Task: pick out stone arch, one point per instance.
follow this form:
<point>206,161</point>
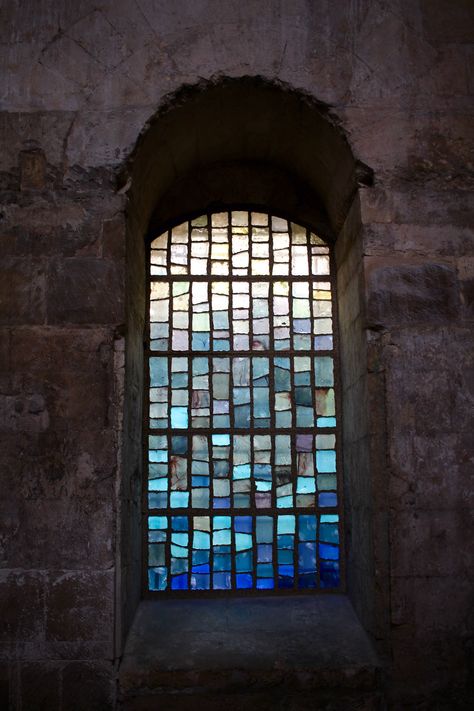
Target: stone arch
<point>250,142</point>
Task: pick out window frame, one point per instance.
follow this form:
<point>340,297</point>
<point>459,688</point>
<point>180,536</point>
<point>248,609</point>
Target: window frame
<point>252,510</point>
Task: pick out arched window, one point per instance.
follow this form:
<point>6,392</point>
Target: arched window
<point>242,486</point>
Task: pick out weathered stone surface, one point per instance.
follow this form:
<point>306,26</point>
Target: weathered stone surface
<point>41,686</point>
<point>22,603</point>
<point>79,607</point>
<point>410,293</point>
<point>85,290</point>
<point>88,686</point>
<point>82,81</point>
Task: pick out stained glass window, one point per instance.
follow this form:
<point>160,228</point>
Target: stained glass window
<point>241,456</point>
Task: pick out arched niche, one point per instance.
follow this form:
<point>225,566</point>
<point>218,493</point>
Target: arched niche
<point>253,143</point>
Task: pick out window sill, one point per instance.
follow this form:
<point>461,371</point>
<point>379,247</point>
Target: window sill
<point>235,645</point>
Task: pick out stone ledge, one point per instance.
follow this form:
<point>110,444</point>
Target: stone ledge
<point>241,645</point>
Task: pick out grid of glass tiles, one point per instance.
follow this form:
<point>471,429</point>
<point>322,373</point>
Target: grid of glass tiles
<point>242,484</point>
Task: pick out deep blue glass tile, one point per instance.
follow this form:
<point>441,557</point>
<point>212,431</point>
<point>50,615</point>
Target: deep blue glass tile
<point>179,523</point>
<point>200,581</point>
<point>329,574</point>
<point>307,581</point>
<point>221,581</point>
<point>243,581</point>
<point>327,498</point>
<point>179,582</point>
<point>204,568</point>
<point>243,524</point>
<point>328,552</point>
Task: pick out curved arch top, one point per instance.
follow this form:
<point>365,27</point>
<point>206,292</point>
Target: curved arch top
<point>243,141</point>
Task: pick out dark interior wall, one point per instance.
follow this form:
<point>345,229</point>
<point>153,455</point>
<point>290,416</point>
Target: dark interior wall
<point>82,81</point>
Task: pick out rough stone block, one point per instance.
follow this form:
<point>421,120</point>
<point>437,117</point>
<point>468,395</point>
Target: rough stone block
<point>88,687</point>
<point>79,606</point>
<point>40,686</point>
<point>431,543</point>
<point>85,355</point>
<point>22,604</point>
<point>60,534</point>
<point>4,686</point>
<point>448,22</point>
<point>22,292</point>
<point>85,290</point>
<point>410,293</point>
<point>113,238</point>
<point>32,170</point>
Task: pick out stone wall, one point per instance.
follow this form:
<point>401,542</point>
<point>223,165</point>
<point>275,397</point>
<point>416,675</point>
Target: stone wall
<point>80,82</point>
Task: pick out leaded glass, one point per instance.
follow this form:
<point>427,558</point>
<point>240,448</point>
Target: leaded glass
<point>242,484</point>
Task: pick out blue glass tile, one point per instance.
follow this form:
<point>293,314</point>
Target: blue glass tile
<point>307,557</point>
<point>265,570</point>
<point>179,582</point>
<point>157,522</point>
<point>307,527</point>
<point>221,344</point>
<point>158,500</point>
<point>306,485</point>
<point>201,341</point>
<point>179,565</point>
<point>327,498</point>
<point>329,574</point>
<point>243,581</point>
<point>265,584</point>
<point>157,456</point>
<point>201,539</point>
<point>221,467</point>
<point>285,540</point>
<point>242,416</point>
<point>243,524</point>
<point>264,552</point>
<point>328,552</point>
<point>200,581</point>
<point>241,471</point>
<point>285,556</point>
<point>323,343</point>
<point>179,445</point>
<point>221,581</point>
<point>204,568</point>
<point>200,480</point>
<point>157,578</point>
<point>326,461</point>
<point>285,576</point>
<point>307,581</point>
<point>179,417</point>
<point>243,541</point>
<point>326,422</point>
<point>179,380</point>
<point>179,499</point>
<point>157,536</point>
<point>158,484</point>
<point>243,561</point>
<point>200,557</point>
<point>200,366</point>
<point>221,440</point>
<point>221,537</point>
<point>329,533</point>
<point>221,503</point>
<point>158,372</point>
<point>179,523</point>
